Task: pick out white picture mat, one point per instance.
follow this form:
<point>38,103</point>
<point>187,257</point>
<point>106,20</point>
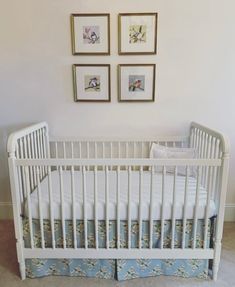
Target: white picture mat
<point>150,22</point>
<point>79,23</point>
<point>103,72</point>
<point>147,71</point>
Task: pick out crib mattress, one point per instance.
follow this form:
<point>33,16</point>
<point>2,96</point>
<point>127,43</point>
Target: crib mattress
<point>112,186</point>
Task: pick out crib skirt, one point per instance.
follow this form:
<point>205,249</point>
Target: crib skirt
<point>121,269</point>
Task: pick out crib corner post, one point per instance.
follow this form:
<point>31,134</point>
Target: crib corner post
<point>220,218</point>
<point>16,202</point>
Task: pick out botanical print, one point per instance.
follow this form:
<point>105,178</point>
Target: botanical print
<point>92,83</point>
<point>137,34</point>
<point>91,34</point>
<point>136,83</point>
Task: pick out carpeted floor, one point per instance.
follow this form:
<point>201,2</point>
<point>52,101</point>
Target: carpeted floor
<point>9,276</point>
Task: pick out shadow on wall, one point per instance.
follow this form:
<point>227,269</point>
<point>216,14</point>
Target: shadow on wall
<point>5,131</point>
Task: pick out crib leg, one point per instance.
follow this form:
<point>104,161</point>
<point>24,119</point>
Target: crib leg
<point>216,260</point>
<point>22,270</point>
<point>21,260</point>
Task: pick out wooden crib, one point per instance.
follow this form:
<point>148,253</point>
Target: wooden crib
<point>116,180</point>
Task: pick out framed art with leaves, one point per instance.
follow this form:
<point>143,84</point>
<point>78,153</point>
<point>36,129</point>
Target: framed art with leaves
<point>137,33</point>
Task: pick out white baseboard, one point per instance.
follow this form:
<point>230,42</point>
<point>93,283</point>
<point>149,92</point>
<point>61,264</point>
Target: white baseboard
<point>229,212</point>
<point>6,211</point>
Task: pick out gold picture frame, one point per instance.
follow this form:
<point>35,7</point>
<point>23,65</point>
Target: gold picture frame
<point>140,39</point>
<point>137,83</point>
<point>90,34</point>
<point>91,82</point>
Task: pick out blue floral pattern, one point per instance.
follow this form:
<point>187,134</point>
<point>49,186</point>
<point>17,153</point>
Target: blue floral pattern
<point>119,269</point>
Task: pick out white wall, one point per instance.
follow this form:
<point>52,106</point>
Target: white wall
<point>195,73</point>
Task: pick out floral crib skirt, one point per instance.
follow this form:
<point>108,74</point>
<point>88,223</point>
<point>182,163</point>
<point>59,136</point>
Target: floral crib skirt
<point>120,269</point>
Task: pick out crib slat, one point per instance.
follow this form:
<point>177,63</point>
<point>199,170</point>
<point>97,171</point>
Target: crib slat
<point>107,205</point>
<point>129,207</point>
<point>185,206</point>
<point>72,150</point>
<point>142,149</point>
<point>95,149</point>
<point>26,174</point>
<point>62,205</point>
<point>33,156</point>
<point>140,205</point>
<point>84,206</point>
<point>19,176</point>
<point>118,207</point>
<point>51,207</point>
<point>64,154</point>
<point>96,209</point>
<point>151,210</point>
<point>163,206</point>
<point>173,211</point>
<point>74,209</point>
<point>41,154</point>
<point>207,208</point>
<point>119,149</point>
<point>30,156</point>
<point>40,209</point>
<point>39,150</point>
<point>80,149</point>
<point>103,152</point>
<point>215,155</point>
<point>195,220</point>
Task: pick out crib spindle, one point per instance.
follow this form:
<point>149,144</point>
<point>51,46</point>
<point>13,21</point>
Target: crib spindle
<point>29,206</point>
<point>185,207</point>
<point>107,205</point>
<point>129,207</point>
<point>62,206</point>
<point>163,206</point>
<point>40,209</point>
<point>118,207</point>
<point>96,209</point>
<point>195,219</point>
<point>84,206</point>
<point>51,207</point>
<point>140,205</point>
<point>173,210</point>
<point>74,208</point>
<point>206,220</point>
<point>151,210</point>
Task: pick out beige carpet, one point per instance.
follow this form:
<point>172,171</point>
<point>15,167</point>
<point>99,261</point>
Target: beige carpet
<point>9,276</point>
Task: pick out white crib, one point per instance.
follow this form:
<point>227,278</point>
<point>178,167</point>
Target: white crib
<point>115,180</point>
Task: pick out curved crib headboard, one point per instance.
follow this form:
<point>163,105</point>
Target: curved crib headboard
<point>31,142</point>
<point>208,142</point>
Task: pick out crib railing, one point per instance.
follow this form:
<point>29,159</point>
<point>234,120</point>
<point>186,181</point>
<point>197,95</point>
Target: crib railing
<point>115,164</point>
<point>93,148</point>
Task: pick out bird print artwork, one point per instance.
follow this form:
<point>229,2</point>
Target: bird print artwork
<point>137,34</point>
<point>136,83</point>
<point>92,83</point>
<point>91,34</point>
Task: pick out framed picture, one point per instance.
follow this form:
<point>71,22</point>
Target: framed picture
<point>137,34</point>
<point>136,82</point>
<point>90,34</point>
<point>91,83</point>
